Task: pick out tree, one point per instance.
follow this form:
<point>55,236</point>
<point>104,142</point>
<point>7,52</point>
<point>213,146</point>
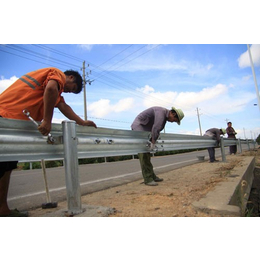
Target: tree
<point>258,139</point>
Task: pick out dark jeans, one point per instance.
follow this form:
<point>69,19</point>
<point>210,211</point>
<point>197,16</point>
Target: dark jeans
<point>7,166</point>
<point>233,149</point>
<point>211,151</point>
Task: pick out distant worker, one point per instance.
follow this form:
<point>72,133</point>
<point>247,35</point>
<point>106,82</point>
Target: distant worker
<point>215,134</point>
<point>231,134</point>
<point>154,120</point>
<point>38,92</point>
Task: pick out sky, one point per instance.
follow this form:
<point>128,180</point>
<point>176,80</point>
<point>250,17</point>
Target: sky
<point>211,83</point>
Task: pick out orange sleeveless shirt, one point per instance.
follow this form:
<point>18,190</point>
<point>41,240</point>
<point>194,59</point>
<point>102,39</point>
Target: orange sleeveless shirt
<point>27,93</point>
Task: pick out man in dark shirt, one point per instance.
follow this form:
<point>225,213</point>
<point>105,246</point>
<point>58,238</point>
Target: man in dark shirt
<point>153,120</point>
<point>215,134</point>
<point>231,134</point>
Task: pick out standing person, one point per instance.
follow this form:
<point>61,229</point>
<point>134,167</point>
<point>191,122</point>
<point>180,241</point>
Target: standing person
<point>38,92</point>
<point>231,134</point>
<point>154,119</point>
<point>215,134</point>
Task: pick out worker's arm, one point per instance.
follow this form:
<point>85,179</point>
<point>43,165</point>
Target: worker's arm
<point>50,96</point>
<point>67,111</point>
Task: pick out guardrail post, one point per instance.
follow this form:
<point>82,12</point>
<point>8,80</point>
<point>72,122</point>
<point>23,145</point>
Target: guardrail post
<point>240,146</point>
<point>71,167</point>
<point>222,147</point>
<point>248,144</point>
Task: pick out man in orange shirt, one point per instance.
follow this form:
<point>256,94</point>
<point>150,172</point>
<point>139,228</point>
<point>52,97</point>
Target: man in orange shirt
<point>38,92</point>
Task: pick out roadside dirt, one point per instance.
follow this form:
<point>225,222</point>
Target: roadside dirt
<point>171,198</point>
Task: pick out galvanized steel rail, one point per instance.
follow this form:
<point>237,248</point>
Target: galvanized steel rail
<point>20,140</point>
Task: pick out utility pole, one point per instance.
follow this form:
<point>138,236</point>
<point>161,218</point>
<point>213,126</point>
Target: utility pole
<point>84,86</point>
<point>253,70</point>
<point>85,94</point>
<point>199,120</point>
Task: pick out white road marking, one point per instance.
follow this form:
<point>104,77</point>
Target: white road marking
<point>95,181</point>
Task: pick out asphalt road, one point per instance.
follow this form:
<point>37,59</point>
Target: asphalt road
<point>27,189</point>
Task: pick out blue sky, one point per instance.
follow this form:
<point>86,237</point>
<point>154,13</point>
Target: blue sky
<point>128,78</point>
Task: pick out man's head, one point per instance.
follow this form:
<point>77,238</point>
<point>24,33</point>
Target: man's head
<point>175,115</point>
<point>229,124</point>
<point>73,82</point>
<point>222,131</point>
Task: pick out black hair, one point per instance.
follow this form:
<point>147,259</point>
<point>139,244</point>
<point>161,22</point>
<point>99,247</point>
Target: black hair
<point>176,115</point>
<point>78,79</point>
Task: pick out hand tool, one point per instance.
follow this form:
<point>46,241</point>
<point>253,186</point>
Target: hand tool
<point>50,139</point>
<point>49,204</point>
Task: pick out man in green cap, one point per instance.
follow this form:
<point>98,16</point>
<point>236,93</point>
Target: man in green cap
<point>153,120</point>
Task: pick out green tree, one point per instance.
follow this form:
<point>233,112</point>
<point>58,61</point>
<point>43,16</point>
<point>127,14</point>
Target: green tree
<point>258,139</point>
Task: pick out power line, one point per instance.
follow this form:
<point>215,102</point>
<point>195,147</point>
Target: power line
<point>24,57</point>
<point>39,55</point>
<point>115,55</point>
<point>57,52</point>
<point>106,71</point>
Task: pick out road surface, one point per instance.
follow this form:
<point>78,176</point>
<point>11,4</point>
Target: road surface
<point>27,189</point>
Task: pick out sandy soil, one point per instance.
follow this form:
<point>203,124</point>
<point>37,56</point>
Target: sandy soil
<point>171,198</point>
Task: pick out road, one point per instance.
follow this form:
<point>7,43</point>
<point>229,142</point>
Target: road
<point>27,188</point>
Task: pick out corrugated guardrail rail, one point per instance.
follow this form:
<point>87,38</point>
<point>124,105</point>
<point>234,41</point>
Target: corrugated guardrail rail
<point>20,140</point>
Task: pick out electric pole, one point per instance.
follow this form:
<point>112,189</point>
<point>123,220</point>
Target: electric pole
<point>253,71</point>
<point>84,86</point>
<point>199,120</point>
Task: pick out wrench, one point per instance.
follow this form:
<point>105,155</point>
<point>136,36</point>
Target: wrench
<point>50,139</point>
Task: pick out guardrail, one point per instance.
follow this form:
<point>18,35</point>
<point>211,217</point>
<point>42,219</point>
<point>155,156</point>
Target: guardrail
<point>20,140</point>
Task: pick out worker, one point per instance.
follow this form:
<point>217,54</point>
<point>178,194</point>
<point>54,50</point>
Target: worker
<point>38,92</point>
<point>231,134</point>
<point>215,134</point>
<point>153,120</point>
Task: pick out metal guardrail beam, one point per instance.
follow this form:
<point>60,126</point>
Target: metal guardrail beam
<point>20,140</point>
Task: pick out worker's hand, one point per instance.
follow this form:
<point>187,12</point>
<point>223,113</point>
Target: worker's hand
<point>152,147</point>
<point>89,123</point>
<point>45,127</point>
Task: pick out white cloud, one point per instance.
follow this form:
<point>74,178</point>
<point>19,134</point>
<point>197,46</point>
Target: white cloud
<point>244,61</point>
<point>185,100</point>
<point>212,100</point>
<point>5,83</point>
<point>199,69</point>
<point>103,107</point>
<point>87,47</point>
<point>162,63</point>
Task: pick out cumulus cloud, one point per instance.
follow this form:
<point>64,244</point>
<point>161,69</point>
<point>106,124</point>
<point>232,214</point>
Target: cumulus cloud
<point>244,61</point>
<point>5,83</point>
<point>213,100</point>
<point>181,99</point>
<point>103,107</point>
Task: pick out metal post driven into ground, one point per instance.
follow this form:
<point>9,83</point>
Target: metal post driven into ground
<point>240,145</point>
<point>222,147</point>
<point>247,141</point>
<point>71,167</point>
